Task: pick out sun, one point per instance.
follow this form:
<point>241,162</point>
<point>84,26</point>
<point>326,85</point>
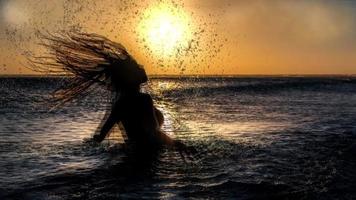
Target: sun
<point>164,29</point>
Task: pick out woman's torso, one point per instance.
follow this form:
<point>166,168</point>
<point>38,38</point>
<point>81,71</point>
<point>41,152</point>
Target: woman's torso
<point>137,115</point>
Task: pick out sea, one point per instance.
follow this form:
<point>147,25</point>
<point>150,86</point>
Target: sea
<point>255,137</point>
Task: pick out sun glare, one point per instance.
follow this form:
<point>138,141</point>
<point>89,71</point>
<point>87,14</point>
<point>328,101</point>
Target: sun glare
<point>164,29</point>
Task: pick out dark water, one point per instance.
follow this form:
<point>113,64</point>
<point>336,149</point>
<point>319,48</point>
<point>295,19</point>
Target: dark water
<point>258,138</point>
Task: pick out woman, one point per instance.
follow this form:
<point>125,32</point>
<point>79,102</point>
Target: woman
<point>135,110</point>
<point>93,60</point>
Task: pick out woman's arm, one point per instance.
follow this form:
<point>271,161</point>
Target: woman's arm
<point>107,126</point>
<point>165,139</point>
<point>152,121</point>
<point>168,141</point>
<point>109,123</point>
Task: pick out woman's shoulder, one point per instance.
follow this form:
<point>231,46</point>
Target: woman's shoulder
<point>145,97</point>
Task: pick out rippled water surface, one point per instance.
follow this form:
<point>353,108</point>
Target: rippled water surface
<point>258,138</point>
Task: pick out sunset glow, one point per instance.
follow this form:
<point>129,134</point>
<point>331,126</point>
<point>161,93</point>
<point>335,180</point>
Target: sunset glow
<point>165,29</point>
<point>194,37</point>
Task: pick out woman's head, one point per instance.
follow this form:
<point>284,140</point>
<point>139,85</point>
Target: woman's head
<point>127,73</point>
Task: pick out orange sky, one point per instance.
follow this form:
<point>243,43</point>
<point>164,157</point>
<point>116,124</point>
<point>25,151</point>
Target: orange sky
<point>233,37</point>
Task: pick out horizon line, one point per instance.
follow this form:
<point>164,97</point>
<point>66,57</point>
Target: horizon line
<point>193,75</point>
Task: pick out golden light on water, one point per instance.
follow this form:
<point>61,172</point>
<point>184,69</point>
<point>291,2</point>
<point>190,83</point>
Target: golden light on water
<point>165,29</point>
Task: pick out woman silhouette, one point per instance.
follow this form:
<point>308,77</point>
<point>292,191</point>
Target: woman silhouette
<point>93,60</point>
<point>135,110</point>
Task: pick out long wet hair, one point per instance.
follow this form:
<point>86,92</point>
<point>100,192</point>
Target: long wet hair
<point>88,60</point>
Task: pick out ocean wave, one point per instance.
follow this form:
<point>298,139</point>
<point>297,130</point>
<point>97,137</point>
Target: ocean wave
<point>265,86</point>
